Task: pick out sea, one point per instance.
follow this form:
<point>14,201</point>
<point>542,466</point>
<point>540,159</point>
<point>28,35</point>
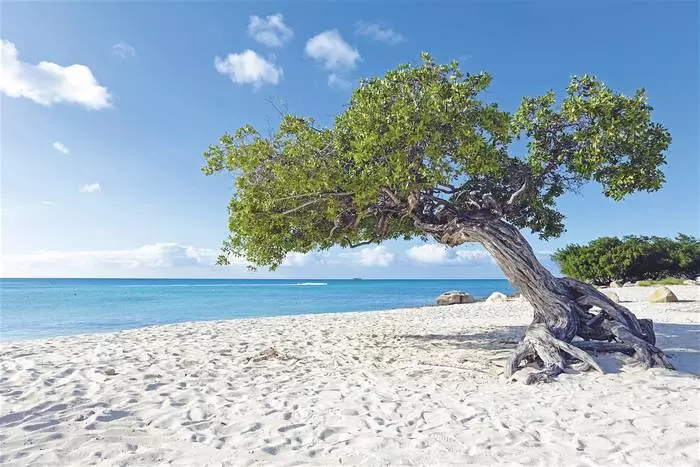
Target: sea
<point>41,308</point>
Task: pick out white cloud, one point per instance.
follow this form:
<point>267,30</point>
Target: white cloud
<point>248,68</point>
<point>430,253</point>
<point>295,259</point>
<point>123,50</point>
<point>330,48</point>
<point>90,187</point>
<point>338,82</point>
<point>158,255</point>
<point>433,253</point>
<point>158,259</point>
<point>19,208</point>
<point>270,31</point>
<point>370,256</point>
<point>378,32</point>
<point>473,256</point>
<point>48,83</point>
<point>60,147</point>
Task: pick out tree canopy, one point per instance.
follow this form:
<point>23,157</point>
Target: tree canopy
<point>631,258</point>
<point>420,148</point>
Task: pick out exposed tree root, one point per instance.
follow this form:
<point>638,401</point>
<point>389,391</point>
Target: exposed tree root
<point>540,345</point>
<point>612,328</point>
<point>564,308</point>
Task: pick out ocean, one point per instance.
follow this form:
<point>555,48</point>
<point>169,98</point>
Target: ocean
<point>39,308</point>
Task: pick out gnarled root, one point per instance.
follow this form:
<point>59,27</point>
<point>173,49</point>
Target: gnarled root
<point>644,352</point>
<point>542,346</point>
<point>620,324</point>
<point>613,329</point>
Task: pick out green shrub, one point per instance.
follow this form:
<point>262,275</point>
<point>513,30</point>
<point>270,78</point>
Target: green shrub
<point>631,258</point>
<point>664,281</point>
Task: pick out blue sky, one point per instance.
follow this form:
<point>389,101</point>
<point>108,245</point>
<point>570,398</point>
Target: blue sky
<point>101,162</point>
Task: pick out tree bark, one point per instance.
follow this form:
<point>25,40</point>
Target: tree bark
<point>563,308</point>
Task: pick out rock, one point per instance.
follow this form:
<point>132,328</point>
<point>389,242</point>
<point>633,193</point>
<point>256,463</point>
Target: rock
<point>662,295</point>
<point>629,284</point>
<point>497,297</point>
<point>690,282</point>
<point>615,284</point>
<point>454,297</point>
<point>612,296</point>
<point>110,372</point>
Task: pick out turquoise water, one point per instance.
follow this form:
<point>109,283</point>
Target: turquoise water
<point>36,308</point>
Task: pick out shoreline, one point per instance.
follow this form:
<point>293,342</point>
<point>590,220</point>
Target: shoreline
<point>687,293</point>
<point>80,307</point>
<point>211,321</point>
<point>219,321</point>
<point>411,385</point>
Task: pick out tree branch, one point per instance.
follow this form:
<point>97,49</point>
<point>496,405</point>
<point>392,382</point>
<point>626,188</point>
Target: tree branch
<point>491,203</point>
<point>445,188</point>
<point>320,193</point>
<point>355,245</point>
<point>438,200</point>
<point>270,101</point>
<point>391,195</point>
<point>302,206</point>
<point>595,346</point>
<point>517,194</point>
<point>286,112</point>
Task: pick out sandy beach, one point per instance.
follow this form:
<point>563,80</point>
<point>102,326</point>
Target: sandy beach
<point>411,386</point>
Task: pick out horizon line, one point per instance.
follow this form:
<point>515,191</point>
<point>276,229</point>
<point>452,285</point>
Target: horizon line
<point>252,279</point>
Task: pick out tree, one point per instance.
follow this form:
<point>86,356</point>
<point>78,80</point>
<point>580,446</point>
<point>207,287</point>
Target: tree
<point>685,257</point>
<point>418,153</point>
<point>631,258</point>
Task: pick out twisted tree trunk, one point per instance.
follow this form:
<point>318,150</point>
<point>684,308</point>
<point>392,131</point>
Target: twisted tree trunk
<point>563,308</point>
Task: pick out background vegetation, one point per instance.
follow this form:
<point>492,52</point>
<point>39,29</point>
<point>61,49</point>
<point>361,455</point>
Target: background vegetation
<point>631,258</point>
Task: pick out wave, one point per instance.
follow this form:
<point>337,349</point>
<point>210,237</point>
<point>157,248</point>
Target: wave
<point>263,284</point>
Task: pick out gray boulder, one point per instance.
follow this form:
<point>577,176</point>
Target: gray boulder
<point>662,295</point>
<point>454,297</point>
<point>615,284</point>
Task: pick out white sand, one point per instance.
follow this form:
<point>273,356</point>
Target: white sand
<point>421,386</point>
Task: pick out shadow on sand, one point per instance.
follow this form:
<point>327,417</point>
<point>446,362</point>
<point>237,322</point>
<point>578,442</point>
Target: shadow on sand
<point>680,342</point>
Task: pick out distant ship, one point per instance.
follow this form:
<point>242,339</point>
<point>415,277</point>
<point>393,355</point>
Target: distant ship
<point>357,278</point>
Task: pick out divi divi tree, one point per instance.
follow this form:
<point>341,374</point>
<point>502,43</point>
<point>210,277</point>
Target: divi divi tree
<point>420,153</point>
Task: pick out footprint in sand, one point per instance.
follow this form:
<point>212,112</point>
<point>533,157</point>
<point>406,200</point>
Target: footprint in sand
<point>254,427</point>
<point>287,428</point>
